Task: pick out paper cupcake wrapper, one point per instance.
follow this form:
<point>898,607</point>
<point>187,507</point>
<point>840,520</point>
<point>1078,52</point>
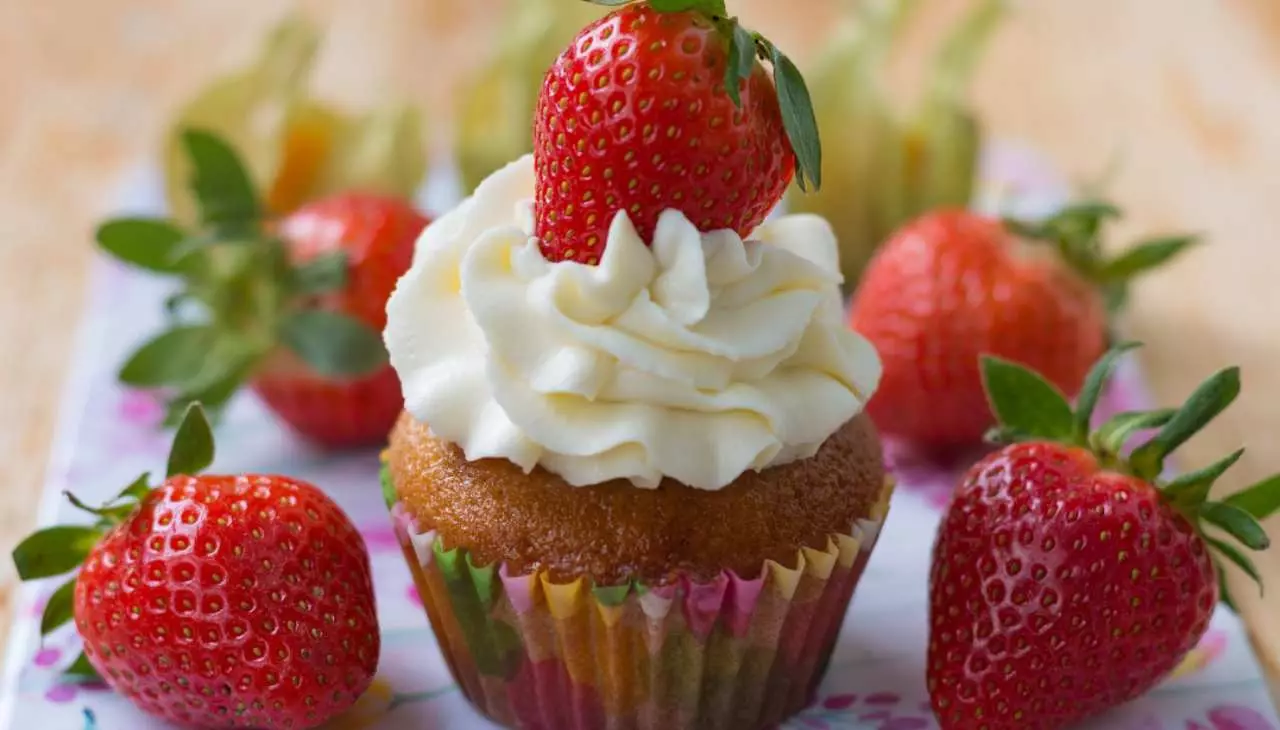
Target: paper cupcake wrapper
<point>727,653</point>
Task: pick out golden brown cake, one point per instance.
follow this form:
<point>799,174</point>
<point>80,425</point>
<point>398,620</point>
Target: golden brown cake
<point>614,532</point>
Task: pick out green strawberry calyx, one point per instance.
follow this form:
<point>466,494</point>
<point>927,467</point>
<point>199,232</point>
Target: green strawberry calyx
<point>745,47</point>
<point>240,299</point>
<point>1030,408</point>
<point>1076,234</point>
<point>61,549</point>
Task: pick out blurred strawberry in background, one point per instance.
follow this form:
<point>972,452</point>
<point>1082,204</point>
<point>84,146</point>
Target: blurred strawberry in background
<point>953,285</point>
<point>292,305</point>
<point>290,223</point>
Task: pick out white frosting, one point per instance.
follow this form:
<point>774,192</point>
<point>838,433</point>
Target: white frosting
<point>697,359</point>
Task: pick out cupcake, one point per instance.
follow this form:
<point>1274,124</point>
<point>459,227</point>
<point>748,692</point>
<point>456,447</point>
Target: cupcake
<point>634,481</point>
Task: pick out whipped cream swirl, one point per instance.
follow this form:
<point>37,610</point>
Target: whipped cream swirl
<point>698,358</point>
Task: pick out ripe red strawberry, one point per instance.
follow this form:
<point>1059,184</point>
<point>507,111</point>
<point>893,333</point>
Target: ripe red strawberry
<point>952,285</point>
<point>217,601</point>
<point>293,306</point>
<point>1068,578</point>
<point>664,106</point>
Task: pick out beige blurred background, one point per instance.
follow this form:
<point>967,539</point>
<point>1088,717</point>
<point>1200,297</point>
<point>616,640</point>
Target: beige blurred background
<point>1187,94</point>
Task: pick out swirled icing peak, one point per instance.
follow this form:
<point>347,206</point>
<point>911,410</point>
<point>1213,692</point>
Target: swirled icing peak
<point>697,358</point>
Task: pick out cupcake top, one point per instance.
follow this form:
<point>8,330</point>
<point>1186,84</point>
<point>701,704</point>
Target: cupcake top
<point>697,357</point>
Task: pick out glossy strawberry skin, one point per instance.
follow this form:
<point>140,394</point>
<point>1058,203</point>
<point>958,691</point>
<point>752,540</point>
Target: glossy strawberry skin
<point>949,287</point>
<point>378,235</point>
<point>332,414</point>
<point>232,602</point>
<point>1058,590</point>
<point>633,116</point>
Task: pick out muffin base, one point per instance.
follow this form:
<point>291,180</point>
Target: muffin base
<point>537,653</point>
<point>615,532</point>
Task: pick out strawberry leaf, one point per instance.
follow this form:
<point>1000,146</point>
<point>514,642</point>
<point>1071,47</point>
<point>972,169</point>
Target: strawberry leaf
<point>1261,500</point>
<point>1211,398</point>
<point>1113,434</point>
<point>714,8</point>
<point>147,243</point>
<point>389,494</point>
<point>334,345</point>
<point>222,186</point>
<point>798,119</point>
<point>1087,401</point>
<point>1236,522</point>
<point>137,490</point>
<point>323,274</point>
<point>59,610</point>
<point>172,358</point>
<point>109,514</point>
<point>1228,551</point>
<point>81,670</point>
<point>1146,256</point>
<point>1192,489</point>
<point>1224,590</point>
<point>742,61</point>
<point>1076,233</point>
<point>54,550</point>
<point>1025,403</point>
<point>192,449</point>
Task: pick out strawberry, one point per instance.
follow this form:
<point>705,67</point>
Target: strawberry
<point>216,601</point>
<point>292,306</point>
<point>953,284</point>
<point>661,106</point>
<point>1067,577</point>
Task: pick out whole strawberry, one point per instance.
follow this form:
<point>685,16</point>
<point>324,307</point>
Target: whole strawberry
<point>952,285</point>
<point>664,106</point>
<point>216,601</point>
<point>1068,578</point>
<point>292,306</point>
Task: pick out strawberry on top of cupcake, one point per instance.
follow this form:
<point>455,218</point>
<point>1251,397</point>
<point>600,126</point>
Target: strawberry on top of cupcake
<point>615,306</point>
<point>635,441</point>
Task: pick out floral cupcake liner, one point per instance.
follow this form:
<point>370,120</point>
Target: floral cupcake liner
<point>730,653</point>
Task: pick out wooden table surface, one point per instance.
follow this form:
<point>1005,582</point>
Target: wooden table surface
<point>1187,93</point>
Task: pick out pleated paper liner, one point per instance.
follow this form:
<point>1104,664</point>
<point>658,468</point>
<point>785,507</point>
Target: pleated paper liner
<point>729,653</point>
